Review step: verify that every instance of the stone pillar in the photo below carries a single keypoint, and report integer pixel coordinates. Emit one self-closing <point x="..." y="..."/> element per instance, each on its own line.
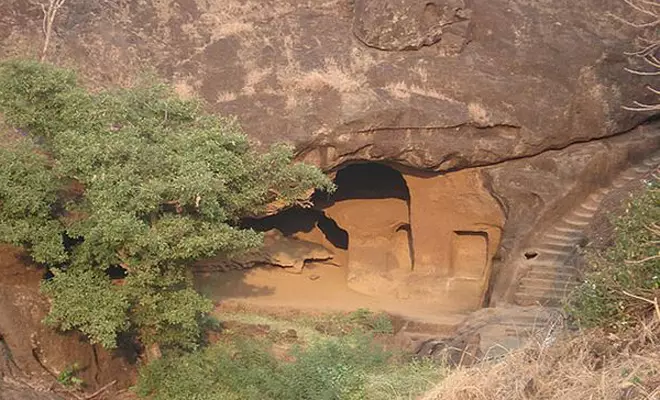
<point x="378" y="249"/>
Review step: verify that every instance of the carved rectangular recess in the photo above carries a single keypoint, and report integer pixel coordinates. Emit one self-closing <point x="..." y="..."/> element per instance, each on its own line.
<point x="469" y="254"/>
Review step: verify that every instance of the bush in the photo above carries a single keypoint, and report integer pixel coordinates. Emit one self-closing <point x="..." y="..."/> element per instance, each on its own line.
<point x="336" y="368"/>
<point x="626" y="273"/>
<point x="136" y="179"/>
<point x="68" y="377"/>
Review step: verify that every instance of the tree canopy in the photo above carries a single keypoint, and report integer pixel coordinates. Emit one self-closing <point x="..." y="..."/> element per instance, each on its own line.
<point x="130" y="179"/>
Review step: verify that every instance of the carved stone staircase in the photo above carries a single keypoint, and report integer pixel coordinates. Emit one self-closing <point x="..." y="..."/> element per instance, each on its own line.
<point x="551" y="275"/>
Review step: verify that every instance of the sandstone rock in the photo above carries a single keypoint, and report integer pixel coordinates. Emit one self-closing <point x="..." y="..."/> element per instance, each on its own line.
<point x="278" y="250"/>
<point x="459" y="351"/>
<point x="38" y="352"/>
<point x="528" y="76"/>
<point x="408" y="25"/>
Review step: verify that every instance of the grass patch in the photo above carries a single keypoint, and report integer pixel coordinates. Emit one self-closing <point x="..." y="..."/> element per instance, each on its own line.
<point x="345" y="364"/>
<point x="342" y="368"/>
<point x="317" y="326"/>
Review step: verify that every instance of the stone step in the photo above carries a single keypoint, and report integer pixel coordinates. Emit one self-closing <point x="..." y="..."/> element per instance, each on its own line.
<point x="651" y="162"/>
<point x="583" y="213"/>
<point x="576" y="221"/>
<point x="558" y="244"/>
<point x="562" y="252"/>
<point x="522" y="322"/>
<point x="555" y="273"/>
<point x="641" y="169"/>
<point x="546" y="262"/>
<point x="597" y="197"/>
<point x="525" y="299"/>
<point x="539" y="291"/>
<point x="591" y="205"/>
<point x="567" y="229"/>
<point x="578" y="216"/>
<point x="573" y="238"/>
<point x="533" y="283"/>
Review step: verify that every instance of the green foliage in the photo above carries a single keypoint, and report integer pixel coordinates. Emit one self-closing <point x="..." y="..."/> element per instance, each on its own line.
<point x="375" y="322"/>
<point x="359" y="321"/>
<point x="630" y="267"/>
<point x="69" y="377"/>
<point x="86" y="299"/>
<point x="136" y="178"/>
<point x="28" y="192"/>
<point x="336" y="368"/>
<point x="404" y="381"/>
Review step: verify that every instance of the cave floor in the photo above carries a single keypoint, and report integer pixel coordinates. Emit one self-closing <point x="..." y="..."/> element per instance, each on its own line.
<point x="319" y="288"/>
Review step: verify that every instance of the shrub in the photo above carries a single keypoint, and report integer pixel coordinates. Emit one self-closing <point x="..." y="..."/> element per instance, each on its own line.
<point x="625" y="274"/>
<point x="336" y="368"/>
<point x="68" y="377"/>
<point x="376" y="322"/>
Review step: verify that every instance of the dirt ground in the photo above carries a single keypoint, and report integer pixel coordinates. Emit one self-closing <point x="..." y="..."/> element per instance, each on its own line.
<point x="320" y="288"/>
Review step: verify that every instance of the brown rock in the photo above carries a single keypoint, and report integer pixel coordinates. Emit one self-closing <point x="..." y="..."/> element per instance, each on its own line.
<point x="528" y="76"/>
<point x="38" y="352"/>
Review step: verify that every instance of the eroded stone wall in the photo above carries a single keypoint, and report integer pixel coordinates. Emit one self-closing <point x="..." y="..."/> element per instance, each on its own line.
<point x="437" y="246"/>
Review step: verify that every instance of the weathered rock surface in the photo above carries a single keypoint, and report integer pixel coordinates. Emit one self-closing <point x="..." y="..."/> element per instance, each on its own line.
<point x="278" y="250"/>
<point x="490" y="80"/>
<point x="408" y="25"/>
<point x="37" y="352"/>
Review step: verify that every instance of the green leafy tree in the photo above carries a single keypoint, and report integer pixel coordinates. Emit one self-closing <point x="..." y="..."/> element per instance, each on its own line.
<point x="132" y="178"/>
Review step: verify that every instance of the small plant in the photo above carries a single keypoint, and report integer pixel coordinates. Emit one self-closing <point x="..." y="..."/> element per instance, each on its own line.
<point x="624" y="284"/>
<point x="375" y="322"/>
<point x="68" y="377"/>
<point x="381" y="323"/>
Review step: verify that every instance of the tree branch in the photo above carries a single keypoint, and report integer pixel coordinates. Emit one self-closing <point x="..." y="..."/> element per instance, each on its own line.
<point x="48" y="21"/>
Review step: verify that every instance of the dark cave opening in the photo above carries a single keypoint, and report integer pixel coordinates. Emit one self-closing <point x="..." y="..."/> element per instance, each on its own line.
<point x="364" y="181"/>
<point x="368" y="181"/>
<point x="297" y="219"/>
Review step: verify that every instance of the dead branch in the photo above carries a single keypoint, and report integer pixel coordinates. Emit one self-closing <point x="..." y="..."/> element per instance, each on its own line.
<point x="648" y="50"/>
<point x="643" y="260"/>
<point x="653" y="302"/>
<point x="101" y="390"/>
<point x="47" y="24"/>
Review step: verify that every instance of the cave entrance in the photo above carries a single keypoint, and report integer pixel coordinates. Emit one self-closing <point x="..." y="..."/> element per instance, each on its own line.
<point x="424" y="241"/>
<point x="372" y="203"/>
<point x="305" y="224"/>
<point x="370" y="181"/>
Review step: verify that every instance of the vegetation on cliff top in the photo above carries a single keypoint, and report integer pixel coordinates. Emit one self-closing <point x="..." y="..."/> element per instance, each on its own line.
<point x="134" y="183"/>
<point x="624" y="282"/>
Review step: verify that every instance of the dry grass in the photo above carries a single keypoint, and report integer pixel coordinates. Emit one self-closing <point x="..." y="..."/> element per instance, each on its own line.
<point x="590" y="365"/>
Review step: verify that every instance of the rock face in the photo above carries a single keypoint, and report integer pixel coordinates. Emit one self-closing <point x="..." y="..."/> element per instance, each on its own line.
<point x="409" y="25"/>
<point x="435" y="85"/>
<point x="38" y="353"/>
<point x="496" y="116"/>
<point x="278" y="250"/>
